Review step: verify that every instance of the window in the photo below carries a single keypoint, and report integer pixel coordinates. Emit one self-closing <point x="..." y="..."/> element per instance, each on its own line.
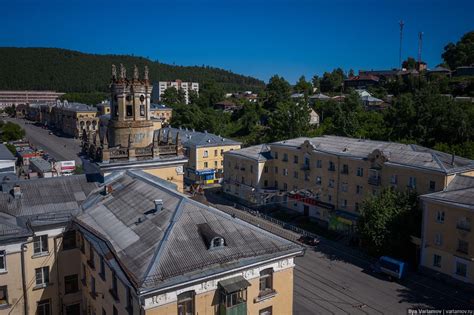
<point x="71" y="284"/>
<point x="295" y="174"/>
<point x="129" y="302"/>
<point x="319" y="164"/>
<point x="83" y="242"/>
<point x="44" y="308"/>
<point x="265" y="183"/>
<point x="285" y="171"/>
<point x="206" y="154"/>
<point x="345" y="169"/>
<point x="215" y="163"/>
<point x="205" y="164"/>
<point x="463" y="247"/>
<point x="234" y="298"/>
<point x="93" y="292"/>
<point x="186" y="303"/>
<point x="436" y="260"/>
<point x="266" y="281"/>
<point x="285" y="186"/>
<point x="113" y="290"/>
<point x="142" y="110"/>
<point x="295" y="159"/>
<point x="3" y="295"/>
<point x="222" y="163"/>
<point x="129" y="110"/>
<point x="276" y="155"/>
<point x="357" y="207"/>
<point x="42" y="276"/>
<point x="344" y="187"/>
<point x="102" y="268"/>
<point x="440" y="217"/>
<point x="222" y="152"/>
<point x="432" y="185"/>
<point x="215" y="152"/>
<point x="276" y="184"/>
<point x="344" y="203"/>
<point x="318" y="180"/>
<point x="412" y="182"/>
<point x="276" y="169"/>
<point x="3" y="261"/>
<point x="461" y="269"/>
<point x="360" y="171"/>
<point x="242" y="180"/>
<point x="251" y="169"/>
<point x="69" y="240"/>
<point x="331" y="183"/>
<point x="285" y="157"/>
<point x="266" y="311"/>
<point x="265" y="169"/>
<point x="394" y="179"/>
<point x="332" y="167"/>
<point x="91" y="260"/>
<point x="359" y="189"/>
<point x="306" y="176"/>
<point x="329" y="198"/>
<point x="40" y="244"/>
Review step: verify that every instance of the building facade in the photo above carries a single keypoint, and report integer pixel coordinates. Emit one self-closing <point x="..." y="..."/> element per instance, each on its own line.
<point x="205" y="152"/>
<point x="327" y="178"/>
<point x="134" y="246"/>
<point x="186" y="87"/>
<point x="14" y="98"/>
<point x="447" y="238"/>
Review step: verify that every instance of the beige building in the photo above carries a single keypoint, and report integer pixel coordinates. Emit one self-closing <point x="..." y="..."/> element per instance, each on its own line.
<point x="447" y="238"/>
<point x="161" y="112"/>
<point x="205" y="153"/>
<point x="327" y="178"/>
<point x="9" y="98"/>
<point x="134" y="246"/>
<point x="186" y="87"/>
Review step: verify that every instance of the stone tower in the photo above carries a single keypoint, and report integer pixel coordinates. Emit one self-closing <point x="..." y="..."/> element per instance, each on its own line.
<point x="130" y="124"/>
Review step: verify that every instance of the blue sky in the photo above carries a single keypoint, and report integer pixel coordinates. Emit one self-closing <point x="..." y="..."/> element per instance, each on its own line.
<point x="258" y="38"/>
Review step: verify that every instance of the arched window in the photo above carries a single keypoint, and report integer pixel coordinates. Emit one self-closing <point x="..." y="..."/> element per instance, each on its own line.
<point x="266" y="281"/>
<point x="186" y="303"/>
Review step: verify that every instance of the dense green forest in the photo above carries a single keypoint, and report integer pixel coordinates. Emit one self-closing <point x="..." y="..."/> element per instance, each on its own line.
<point x="72" y="71"/>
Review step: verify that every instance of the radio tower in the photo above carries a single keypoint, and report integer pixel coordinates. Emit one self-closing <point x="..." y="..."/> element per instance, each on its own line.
<point x="401" y="23"/>
<point x="420" y="46"/>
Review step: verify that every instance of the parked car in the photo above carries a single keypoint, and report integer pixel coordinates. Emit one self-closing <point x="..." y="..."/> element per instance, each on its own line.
<point x="309" y="240"/>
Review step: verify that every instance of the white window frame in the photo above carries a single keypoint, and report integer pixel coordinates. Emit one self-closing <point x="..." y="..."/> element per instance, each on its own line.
<point x="3" y="258"/>
<point x="43" y="277"/>
<point x="40" y="239"/>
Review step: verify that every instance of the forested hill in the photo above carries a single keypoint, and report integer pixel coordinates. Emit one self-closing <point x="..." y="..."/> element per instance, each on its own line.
<point x="71" y="71"/>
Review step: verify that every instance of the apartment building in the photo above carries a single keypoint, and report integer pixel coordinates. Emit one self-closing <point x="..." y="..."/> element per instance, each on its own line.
<point x="327" y="178"/>
<point x="161" y="112"/>
<point x="205" y="153"/>
<point x="186" y="87"/>
<point x="134" y="246"/>
<point x="10" y="98"/>
<point x="447" y="238"/>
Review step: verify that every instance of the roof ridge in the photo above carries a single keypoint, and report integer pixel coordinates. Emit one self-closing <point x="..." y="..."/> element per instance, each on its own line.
<point x="161" y="246"/>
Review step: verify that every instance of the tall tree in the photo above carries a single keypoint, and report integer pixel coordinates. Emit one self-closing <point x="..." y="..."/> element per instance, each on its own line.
<point x="409" y="64"/>
<point x="303" y="86"/>
<point x="289" y="120"/>
<point x="461" y="53"/>
<point x="171" y="96"/>
<point x="316" y="82"/>
<point x="277" y="90"/>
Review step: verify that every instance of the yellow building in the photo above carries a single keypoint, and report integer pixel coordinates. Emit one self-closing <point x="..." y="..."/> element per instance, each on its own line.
<point x="134" y="246"/>
<point x="447" y="247"/>
<point x="327" y="178"/>
<point x="205" y="153"/>
<point x="161" y="112"/>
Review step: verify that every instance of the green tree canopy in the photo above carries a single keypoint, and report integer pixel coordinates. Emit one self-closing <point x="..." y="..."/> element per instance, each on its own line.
<point x="10" y="132"/>
<point x="289" y="120"/>
<point x="277" y="90"/>
<point x="461" y="53"/>
<point x="332" y="82"/>
<point x="409" y="64"/>
<point x="171" y="96"/>
<point x="303" y="86"/>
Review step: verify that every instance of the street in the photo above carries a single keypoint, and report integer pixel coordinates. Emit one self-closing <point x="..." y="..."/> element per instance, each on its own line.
<point x="334" y="278"/>
<point x="60" y="148"/>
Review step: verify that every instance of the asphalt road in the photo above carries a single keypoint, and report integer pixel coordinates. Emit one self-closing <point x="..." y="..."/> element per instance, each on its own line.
<point x="60" y="148"/>
<point x="336" y="279"/>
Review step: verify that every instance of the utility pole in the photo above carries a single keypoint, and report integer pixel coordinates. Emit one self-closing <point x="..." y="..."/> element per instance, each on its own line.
<point x="401" y="23"/>
<point x="420" y="46"/>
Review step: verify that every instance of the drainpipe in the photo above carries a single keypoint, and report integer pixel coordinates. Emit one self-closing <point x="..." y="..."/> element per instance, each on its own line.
<point x="23" y="276"/>
<point x="56" y="262"/>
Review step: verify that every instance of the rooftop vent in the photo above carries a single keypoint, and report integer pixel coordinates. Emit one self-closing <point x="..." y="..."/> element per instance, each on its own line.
<point x="107" y="190"/>
<point x="211" y="238"/>
<point x="158" y="205"/>
<point x="17" y="192"/>
<point x="209" y="140"/>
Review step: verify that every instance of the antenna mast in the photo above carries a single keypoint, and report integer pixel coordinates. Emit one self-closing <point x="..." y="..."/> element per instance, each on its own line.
<point x="401" y="23"/>
<point x="420" y="46"/>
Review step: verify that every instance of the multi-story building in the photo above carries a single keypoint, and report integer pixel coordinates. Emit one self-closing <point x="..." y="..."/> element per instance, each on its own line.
<point x="161" y="112"/>
<point x="205" y="153"/>
<point x="186" y="87"/>
<point x="7" y="160"/>
<point x="447" y="247"/>
<point x="14" y="98"/>
<point x="328" y="177"/>
<point x="134" y="246"/>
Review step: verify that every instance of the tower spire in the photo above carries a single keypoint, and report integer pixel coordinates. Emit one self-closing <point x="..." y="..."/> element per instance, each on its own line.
<point x="401" y="23"/>
<point x="123" y="72"/>
<point x="135" y="73"/>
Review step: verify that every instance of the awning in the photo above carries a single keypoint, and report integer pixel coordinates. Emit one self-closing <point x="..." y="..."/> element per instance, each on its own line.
<point x="234" y="284"/>
<point x="205" y="172"/>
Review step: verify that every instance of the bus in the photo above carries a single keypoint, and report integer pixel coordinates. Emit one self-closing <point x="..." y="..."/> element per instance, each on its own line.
<point x="391" y="267"/>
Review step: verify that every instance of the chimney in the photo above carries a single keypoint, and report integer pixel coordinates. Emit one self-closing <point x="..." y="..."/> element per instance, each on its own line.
<point x="107" y="190"/>
<point x="158" y="205"/>
<point x="17" y="191"/>
<point x="452" y="159"/>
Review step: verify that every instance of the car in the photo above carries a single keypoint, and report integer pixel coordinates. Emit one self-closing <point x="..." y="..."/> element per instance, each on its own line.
<point x="50" y="133"/>
<point x="309" y="240"/>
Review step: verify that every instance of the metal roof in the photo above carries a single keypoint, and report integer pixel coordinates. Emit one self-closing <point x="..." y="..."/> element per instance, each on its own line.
<point x="460" y="191"/>
<point x="260" y="152"/>
<point x="397" y="153"/>
<point x="5" y="154"/>
<point x="41" y="164"/>
<point x="191" y="138"/>
<point x="164" y="248"/>
<point x="234" y="284"/>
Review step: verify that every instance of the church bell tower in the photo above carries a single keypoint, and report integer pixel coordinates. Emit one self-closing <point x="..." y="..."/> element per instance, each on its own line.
<point x="130" y="124"/>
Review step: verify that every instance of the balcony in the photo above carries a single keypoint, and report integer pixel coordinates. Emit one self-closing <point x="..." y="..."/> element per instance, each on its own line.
<point x="332" y="169"/>
<point x="305" y="167"/>
<point x="374" y="180"/>
<point x="462" y="250"/>
<point x="463" y="226"/>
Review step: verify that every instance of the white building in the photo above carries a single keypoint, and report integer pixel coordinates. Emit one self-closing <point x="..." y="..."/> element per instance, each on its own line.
<point x="178" y="84"/>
